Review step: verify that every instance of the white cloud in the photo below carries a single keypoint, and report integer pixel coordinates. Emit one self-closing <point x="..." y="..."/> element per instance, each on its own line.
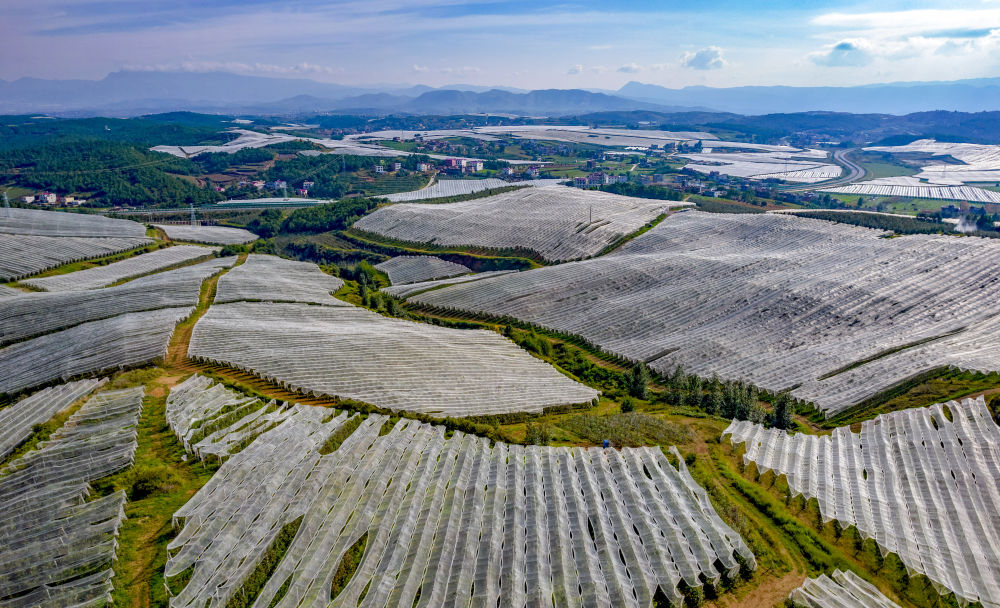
<point x="303" y="68"/>
<point x="708" y="58"/>
<point x="846" y="53"/>
<point x="630" y="68"/>
<point x="913" y="21"/>
<point x="421" y="69"/>
<point x="576" y="69"/>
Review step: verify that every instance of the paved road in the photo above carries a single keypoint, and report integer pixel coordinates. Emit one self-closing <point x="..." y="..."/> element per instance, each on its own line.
<point x="854" y="173"/>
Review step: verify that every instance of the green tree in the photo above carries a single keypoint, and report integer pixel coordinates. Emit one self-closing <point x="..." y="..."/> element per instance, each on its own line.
<point x="639" y="382"/>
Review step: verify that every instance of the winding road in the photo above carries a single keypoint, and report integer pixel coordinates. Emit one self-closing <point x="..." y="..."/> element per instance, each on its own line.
<point x="854" y="173"/>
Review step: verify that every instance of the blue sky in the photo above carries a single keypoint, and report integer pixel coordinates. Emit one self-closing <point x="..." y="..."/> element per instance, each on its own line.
<point x="525" y="44"/>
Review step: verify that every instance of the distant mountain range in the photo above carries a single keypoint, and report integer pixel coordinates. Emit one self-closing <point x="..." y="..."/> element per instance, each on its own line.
<point x="130" y="93"/>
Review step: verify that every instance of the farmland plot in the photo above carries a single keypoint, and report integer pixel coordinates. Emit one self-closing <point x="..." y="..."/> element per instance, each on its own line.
<point x="39" y="313"/>
<point x="101" y="276"/>
<point x="915" y="188"/>
<point x="763" y="165"/>
<point x="56" y="547"/>
<point x="840" y="590"/>
<point x="457" y="187"/>
<point x="17" y="421"/>
<point x="22" y="256"/>
<point x="980" y="162"/>
<point x="9" y="292"/>
<point x="354" y="353"/>
<point x="780" y="301"/>
<point x="417" y="268"/>
<point x="54" y="223"/>
<point x="122" y="341"/>
<point x="558" y="223"/>
<point x="922" y="483"/>
<point x="405" y="291"/>
<point x="211" y="420"/>
<point x="212" y="235"/>
<point x="446" y="521"/>
<point x="268" y="278"/>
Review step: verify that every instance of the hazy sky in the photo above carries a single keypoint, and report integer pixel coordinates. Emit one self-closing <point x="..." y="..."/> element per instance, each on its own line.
<point x="525" y="44"/>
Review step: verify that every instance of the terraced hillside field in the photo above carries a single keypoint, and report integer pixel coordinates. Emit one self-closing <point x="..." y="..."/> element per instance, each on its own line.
<point x="212" y="235"/>
<point x="834" y="312"/>
<point x="418" y="268"/>
<point x="557" y="223"/>
<point x="441" y="521"/>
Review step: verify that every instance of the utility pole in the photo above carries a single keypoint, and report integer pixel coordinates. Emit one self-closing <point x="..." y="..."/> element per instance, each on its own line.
<point x="193" y="222"/>
<point x="6" y="205"/>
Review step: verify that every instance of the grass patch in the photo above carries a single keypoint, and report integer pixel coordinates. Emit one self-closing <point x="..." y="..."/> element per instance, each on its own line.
<point x="348" y="566"/>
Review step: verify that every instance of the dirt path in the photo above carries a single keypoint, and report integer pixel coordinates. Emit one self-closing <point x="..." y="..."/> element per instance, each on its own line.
<point x="765" y="595"/>
<point x="181" y="338"/>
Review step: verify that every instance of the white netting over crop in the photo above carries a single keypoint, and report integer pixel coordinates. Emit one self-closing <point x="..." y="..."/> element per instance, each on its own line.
<point x="913" y="187"/>
<point x="40" y="313"/>
<point x="125" y="340"/>
<point x="25" y="255"/>
<point x="557" y="222"/>
<point x="54" y="223"/>
<point x="213" y="235"/>
<point x="18" y="420"/>
<point x="56" y="548"/>
<point x="355" y="353"/>
<point x="458" y="187"/>
<point x="979" y="162"/>
<point x="453" y="521"/>
<point x="763" y="165"/>
<point x="101" y="276"/>
<point x="267" y="278"/>
<point x="211" y="420"/>
<point x="779" y="301"/>
<point x="840" y="590"/>
<point x="9" y="292"/>
<point x="924" y="483"/>
<point x="416" y="268"/>
<point x="405" y="291"/>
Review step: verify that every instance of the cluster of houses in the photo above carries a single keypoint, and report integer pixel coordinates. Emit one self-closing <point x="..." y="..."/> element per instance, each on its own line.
<point x="48" y="199"/>
<point x="599" y="179"/>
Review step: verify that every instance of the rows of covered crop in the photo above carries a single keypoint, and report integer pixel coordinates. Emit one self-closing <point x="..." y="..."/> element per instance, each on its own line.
<point x="39" y="313"/>
<point x="557" y="222"/>
<point x="213" y="235"/>
<point x="9" y="292"/>
<point x="101" y="276"/>
<point x="842" y="589"/>
<point x="56" y="547"/>
<point x="25" y="255"/>
<point x="980" y="162"/>
<point x="962" y="193"/>
<point x="121" y="341"/>
<point x="458" y="187"/>
<point x="445" y="521"/>
<point x="417" y="268"/>
<point x="922" y="483"/>
<point x="267" y="278"/>
<point x="763" y="165"/>
<point x="780" y="301"/>
<point x="56" y="224"/>
<point x="405" y="291"/>
<point x="18" y="420"/>
<point x="354" y="353"/>
<point x="211" y="420"/>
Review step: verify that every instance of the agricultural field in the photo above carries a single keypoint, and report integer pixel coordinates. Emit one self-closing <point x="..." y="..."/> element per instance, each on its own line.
<point x="840" y="589"/>
<point x="419" y="268"/>
<point x="458" y="187"/>
<point x="976" y="162"/>
<point x="911" y="187"/>
<point x="749" y="296"/>
<point x="790" y="164"/>
<point x="556" y="223"/>
<point x="211" y="235"/>
<point x="103" y="276"/>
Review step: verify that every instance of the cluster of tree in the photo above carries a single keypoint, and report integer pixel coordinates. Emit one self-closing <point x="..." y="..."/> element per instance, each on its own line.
<point x="215" y="162"/>
<point x="267" y="224"/>
<point x="332" y="174"/>
<point x="717" y="206"/>
<point x="332" y="216"/>
<point x="899" y="225"/>
<point x="109" y="173"/>
<point x="183" y="129"/>
<point x="638" y="190"/>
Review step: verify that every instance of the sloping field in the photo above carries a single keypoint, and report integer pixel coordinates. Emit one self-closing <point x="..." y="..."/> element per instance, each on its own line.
<point x="444" y="522"/>
<point x="403" y="291"/>
<point x="268" y="278"/>
<point x="125" y="340"/>
<point x="18" y="420"/>
<point x="922" y="482"/>
<point x="57" y="548"/>
<point x="9" y="292"/>
<point x="557" y="222"/>
<point x="780" y="301"/>
<point x="101" y="276"/>
<point x="456" y="187"/>
<point x="763" y="165"/>
<point x="417" y="268"/>
<point x="913" y="187"/>
<point x="212" y="235"/>
<point x="22" y="256"/>
<point x="355" y="353"/>
<point x="979" y="162"/>
<point x="40" y="313"/>
<point x="55" y="223"/>
<point x="840" y="590"/>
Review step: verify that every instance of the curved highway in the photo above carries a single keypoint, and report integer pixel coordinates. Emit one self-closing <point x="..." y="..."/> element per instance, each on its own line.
<point x="854" y="173"/>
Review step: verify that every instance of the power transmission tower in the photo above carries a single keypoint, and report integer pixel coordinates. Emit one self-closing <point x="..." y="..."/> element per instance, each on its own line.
<point x="193" y="221"/>
<point x="6" y="206"/>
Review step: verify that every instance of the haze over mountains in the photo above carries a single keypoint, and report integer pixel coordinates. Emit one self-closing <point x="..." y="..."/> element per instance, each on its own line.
<point x="129" y="93"/>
